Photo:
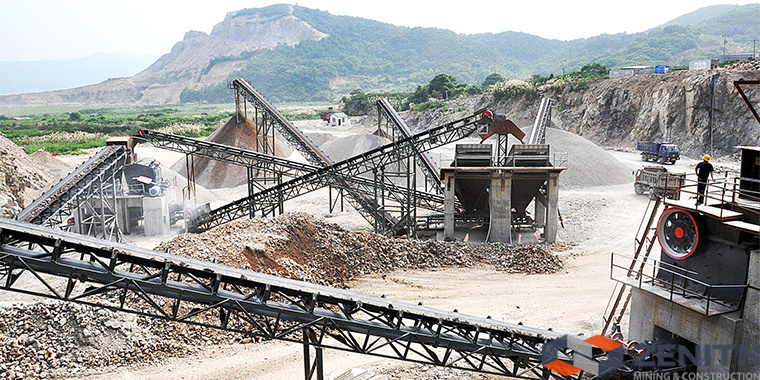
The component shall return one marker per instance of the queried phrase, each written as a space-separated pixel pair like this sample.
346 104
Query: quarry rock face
671 107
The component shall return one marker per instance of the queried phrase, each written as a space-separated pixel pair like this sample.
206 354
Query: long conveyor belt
248 158
352 167
84 177
360 200
125 278
431 170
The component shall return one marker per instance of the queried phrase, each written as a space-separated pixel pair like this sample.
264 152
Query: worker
703 170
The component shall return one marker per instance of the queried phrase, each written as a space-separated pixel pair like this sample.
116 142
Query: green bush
514 89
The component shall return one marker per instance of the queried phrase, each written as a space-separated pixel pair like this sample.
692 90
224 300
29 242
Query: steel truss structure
87 196
268 119
281 166
350 168
431 171
145 282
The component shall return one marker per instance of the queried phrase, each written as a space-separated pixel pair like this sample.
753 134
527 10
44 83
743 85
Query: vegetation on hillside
379 57
70 132
444 87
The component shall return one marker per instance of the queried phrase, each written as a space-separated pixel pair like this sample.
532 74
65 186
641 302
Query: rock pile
55 339
302 247
21 178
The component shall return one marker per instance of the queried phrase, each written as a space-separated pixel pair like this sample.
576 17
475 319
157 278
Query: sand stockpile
213 174
587 164
42 156
349 146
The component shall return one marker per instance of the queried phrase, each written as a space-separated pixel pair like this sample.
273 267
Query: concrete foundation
653 317
505 190
500 204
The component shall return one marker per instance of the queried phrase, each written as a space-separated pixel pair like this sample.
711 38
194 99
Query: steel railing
678 284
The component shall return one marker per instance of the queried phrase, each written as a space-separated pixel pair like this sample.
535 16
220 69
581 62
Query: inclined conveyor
76 268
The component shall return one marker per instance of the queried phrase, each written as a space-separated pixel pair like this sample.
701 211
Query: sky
65 29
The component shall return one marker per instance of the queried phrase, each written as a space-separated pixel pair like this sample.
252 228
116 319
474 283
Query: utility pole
712 109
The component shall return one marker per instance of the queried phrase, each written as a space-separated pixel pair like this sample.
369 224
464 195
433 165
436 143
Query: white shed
338 119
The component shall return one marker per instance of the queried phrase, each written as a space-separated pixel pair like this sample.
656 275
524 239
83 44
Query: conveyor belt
125 278
84 177
360 200
253 159
432 172
352 167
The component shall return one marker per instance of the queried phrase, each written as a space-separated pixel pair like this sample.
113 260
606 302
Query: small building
338 119
630 71
704 64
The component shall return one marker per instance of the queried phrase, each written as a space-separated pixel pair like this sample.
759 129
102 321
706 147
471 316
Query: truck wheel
644 158
639 189
661 160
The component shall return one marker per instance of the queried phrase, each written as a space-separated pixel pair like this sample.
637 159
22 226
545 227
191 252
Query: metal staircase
645 240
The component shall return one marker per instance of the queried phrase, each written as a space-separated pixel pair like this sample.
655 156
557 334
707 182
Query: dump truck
658 182
664 153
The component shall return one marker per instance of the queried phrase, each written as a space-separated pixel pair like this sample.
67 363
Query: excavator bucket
502 126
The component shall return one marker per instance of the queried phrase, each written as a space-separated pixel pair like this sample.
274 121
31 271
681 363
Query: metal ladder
621 296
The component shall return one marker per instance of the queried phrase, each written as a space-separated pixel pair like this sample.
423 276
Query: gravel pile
58 339
213 174
588 165
302 247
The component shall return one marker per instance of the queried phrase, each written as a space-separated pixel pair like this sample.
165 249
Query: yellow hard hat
706 157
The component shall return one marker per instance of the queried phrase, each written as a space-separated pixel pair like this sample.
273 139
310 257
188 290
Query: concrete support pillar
539 215
751 316
448 206
552 215
500 203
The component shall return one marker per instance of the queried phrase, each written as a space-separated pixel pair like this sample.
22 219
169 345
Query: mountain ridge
294 53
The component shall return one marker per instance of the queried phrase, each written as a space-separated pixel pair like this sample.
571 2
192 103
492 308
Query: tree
356 103
492 79
75 116
594 70
442 86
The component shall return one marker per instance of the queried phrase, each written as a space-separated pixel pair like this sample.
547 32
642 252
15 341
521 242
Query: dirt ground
597 220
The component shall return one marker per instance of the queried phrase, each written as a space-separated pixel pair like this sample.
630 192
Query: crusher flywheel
678 233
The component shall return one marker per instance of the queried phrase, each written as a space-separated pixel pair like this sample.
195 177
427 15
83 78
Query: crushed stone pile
588 165
42 156
56 339
349 146
213 174
303 247
21 178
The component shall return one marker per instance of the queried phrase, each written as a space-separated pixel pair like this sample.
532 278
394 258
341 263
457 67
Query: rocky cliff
674 107
619 112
